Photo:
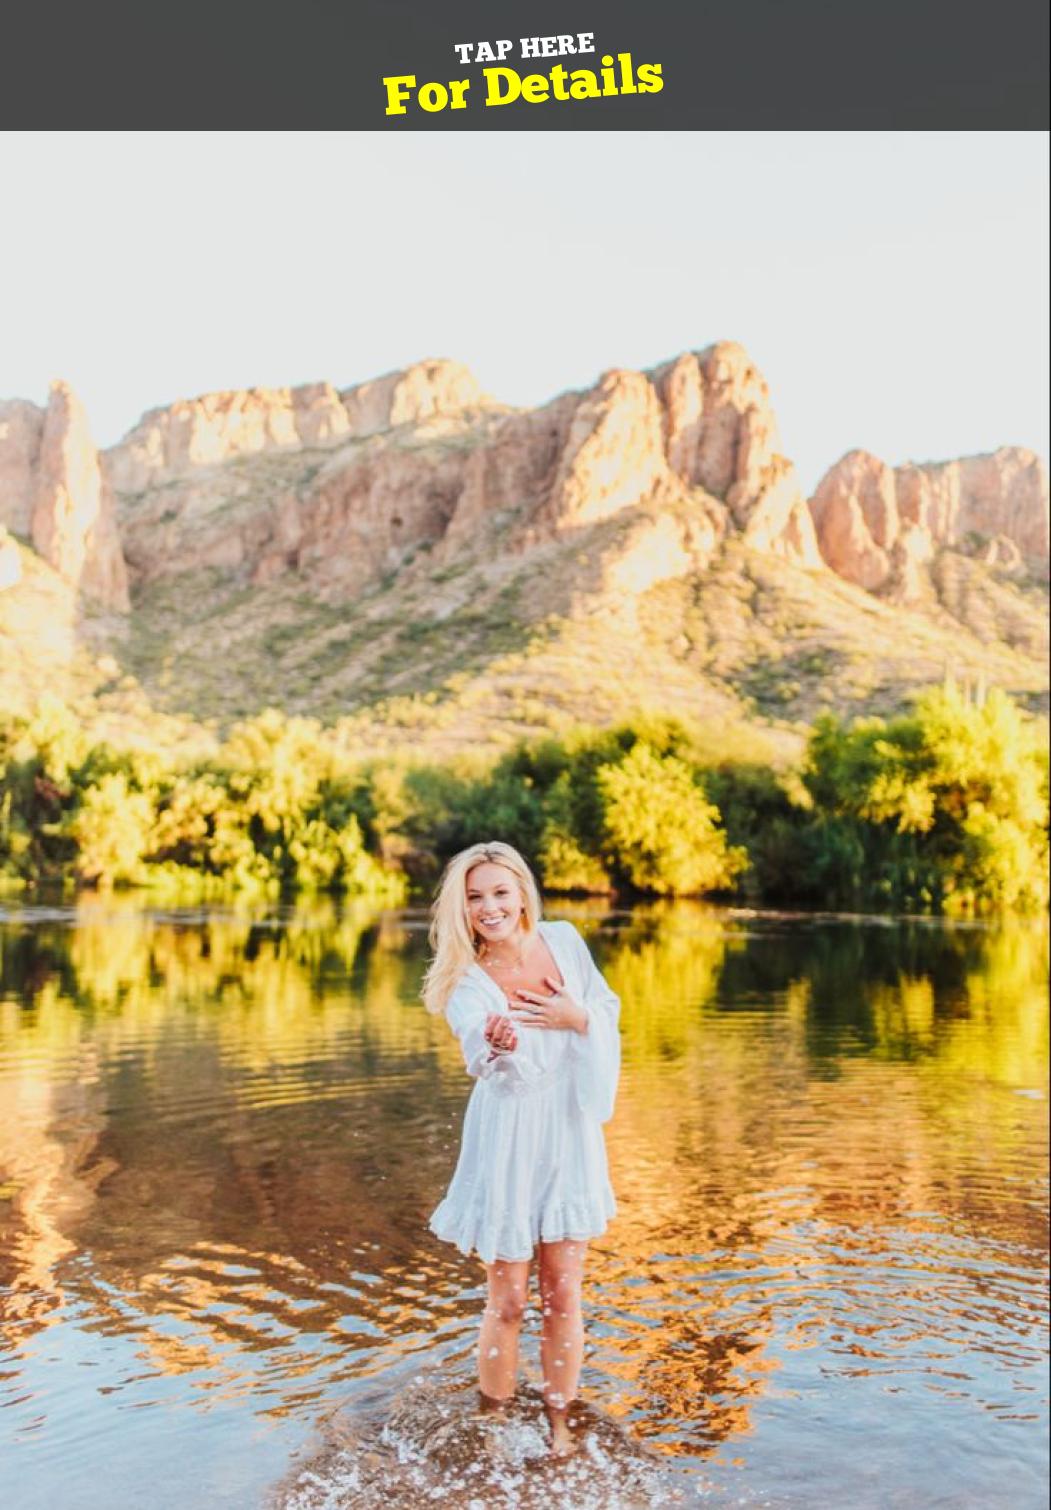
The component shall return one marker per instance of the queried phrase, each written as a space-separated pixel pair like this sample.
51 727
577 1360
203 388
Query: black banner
411 65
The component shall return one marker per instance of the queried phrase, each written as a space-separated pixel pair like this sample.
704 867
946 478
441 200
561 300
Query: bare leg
562 1333
501 1322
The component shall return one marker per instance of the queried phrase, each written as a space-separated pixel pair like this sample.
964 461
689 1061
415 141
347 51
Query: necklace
499 964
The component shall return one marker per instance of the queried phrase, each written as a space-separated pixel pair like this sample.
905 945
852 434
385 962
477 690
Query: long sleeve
597 1052
466 1012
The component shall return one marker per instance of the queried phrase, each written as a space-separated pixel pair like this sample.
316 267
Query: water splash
432 1444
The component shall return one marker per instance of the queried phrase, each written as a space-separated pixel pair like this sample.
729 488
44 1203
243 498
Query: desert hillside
439 568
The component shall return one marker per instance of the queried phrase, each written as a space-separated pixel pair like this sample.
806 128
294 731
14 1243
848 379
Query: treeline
943 808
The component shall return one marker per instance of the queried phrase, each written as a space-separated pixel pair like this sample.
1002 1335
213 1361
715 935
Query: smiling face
494 902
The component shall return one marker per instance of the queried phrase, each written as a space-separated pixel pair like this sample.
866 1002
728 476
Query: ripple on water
431 1444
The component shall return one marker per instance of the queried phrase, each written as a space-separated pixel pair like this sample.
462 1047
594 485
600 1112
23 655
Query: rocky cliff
52 491
342 487
411 538
191 433
700 429
878 525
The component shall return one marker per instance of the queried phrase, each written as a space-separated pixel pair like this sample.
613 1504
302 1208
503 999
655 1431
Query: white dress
532 1163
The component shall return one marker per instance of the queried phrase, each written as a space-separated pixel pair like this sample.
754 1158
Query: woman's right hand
500 1033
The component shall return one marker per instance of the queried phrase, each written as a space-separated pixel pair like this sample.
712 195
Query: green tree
110 826
565 863
943 807
661 832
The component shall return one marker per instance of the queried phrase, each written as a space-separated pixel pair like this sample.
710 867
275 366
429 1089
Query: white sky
892 287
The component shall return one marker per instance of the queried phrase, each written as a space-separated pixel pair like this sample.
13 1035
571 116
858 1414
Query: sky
892 287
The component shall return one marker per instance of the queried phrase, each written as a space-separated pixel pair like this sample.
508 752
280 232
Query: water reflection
221 1134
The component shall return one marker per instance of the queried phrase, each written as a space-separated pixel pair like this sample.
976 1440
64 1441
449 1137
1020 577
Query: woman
539 1030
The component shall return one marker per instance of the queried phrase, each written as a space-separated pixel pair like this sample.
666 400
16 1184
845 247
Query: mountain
442 570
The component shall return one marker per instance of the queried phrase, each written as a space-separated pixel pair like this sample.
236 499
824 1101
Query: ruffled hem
560 1222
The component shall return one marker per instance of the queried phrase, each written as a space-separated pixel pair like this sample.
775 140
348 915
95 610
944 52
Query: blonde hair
452 937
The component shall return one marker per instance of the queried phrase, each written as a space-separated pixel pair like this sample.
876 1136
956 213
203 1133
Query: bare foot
562 1442
493 1404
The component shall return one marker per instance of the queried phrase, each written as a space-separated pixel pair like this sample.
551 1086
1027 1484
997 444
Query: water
222 1133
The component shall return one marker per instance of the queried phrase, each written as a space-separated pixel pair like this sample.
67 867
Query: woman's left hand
558 1010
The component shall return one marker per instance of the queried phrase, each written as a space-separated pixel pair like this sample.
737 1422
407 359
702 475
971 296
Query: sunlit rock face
1001 494
721 434
10 561
361 518
699 429
613 452
170 441
720 428
877 524
202 431
21 426
52 492
702 422
855 515
508 480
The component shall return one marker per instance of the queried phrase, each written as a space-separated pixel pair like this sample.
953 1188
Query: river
222 1131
